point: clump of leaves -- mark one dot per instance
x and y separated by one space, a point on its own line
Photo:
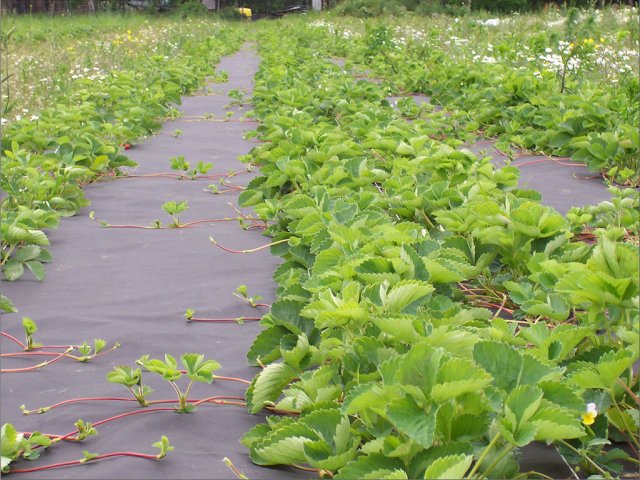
236 96
180 164
173 209
197 370
132 380
387 369
14 445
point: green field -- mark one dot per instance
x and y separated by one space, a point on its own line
432 316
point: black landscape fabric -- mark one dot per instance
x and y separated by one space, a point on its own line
133 286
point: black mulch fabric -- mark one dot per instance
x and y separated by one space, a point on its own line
133 286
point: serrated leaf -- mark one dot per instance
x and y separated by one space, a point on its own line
294 349
266 346
283 446
36 268
410 255
418 423
419 367
13 270
250 198
367 465
468 427
458 376
407 294
125 375
366 396
286 313
449 467
36 237
397 326
319 455
267 386
500 360
28 252
167 369
523 402
255 435
553 423
198 369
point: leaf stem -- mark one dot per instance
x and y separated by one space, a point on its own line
225 320
252 250
308 469
232 379
628 429
41 410
14 339
81 461
506 451
587 458
483 455
39 365
629 391
175 387
83 358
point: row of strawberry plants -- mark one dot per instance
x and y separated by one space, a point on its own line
47 159
561 112
432 318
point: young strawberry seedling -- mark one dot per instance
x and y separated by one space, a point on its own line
199 171
237 98
163 445
31 348
173 209
197 370
25 445
243 293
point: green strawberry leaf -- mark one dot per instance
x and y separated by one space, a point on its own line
267 386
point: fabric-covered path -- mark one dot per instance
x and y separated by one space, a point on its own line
132 286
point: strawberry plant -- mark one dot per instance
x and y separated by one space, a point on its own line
31 348
386 345
197 370
17 445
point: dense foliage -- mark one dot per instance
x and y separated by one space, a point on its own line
432 318
565 84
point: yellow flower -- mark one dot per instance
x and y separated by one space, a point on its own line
590 416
